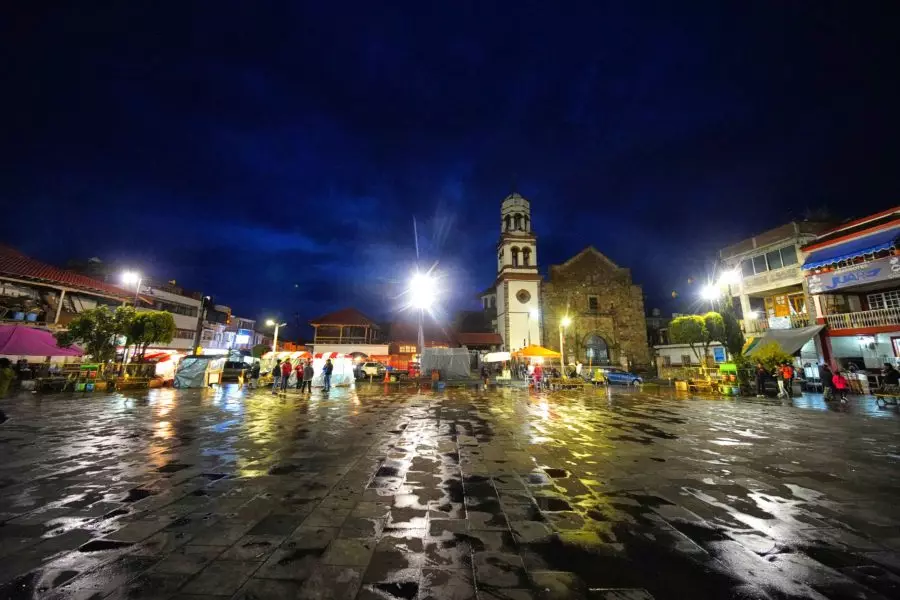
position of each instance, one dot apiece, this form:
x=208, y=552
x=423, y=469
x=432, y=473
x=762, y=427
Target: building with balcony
x=853, y=274
x=35, y=293
x=767, y=284
x=348, y=331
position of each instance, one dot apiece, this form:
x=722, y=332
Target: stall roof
x=790, y=340
x=852, y=248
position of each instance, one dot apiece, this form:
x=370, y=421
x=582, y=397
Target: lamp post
x=129, y=277
x=277, y=326
x=422, y=294
x=564, y=322
x=533, y=315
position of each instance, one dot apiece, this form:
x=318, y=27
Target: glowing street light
x=277, y=326
x=422, y=291
x=133, y=278
x=729, y=277
x=710, y=292
x=563, y=323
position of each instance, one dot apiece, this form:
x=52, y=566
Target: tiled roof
x=479, y=339
x=16, y=265
x=405, y=331
x=346, y=316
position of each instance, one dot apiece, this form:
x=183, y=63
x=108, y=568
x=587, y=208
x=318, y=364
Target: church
x=605, y=309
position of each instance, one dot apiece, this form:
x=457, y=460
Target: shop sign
x=881, y=269
x=779, y=322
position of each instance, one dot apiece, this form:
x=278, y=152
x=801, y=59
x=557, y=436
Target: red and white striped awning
x=331, y=355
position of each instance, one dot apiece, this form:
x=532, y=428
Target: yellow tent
x=535, y=351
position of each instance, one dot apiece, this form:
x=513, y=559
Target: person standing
x=779, y=378
x=298, y=373
x=286, y=369
x=890, y=374
x=841, y=385
x=827, y=379
x=538, y=376
x=578, y=368
x=254, y=375
x=787, y=373
x=276, y=376
x=485, y=375
x=326, y=373
x=308, y=373
x=760, y=380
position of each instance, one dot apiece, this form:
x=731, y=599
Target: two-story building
x=185, y=310
x=348, y=331
x=853, y=274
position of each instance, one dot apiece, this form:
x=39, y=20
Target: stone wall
x=617, y=315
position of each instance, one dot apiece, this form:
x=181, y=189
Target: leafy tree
x=690, y=330
x=260, y=349
x=148, y=328
x=771, y=355
x=715, y=329
x=96, y=330
x=734, y=337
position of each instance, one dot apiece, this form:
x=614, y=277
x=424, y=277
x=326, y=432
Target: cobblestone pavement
x=453, y=495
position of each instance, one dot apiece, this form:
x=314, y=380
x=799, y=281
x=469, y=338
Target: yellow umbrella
x=535, y=351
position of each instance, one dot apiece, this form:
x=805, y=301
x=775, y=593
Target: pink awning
x=17, y=340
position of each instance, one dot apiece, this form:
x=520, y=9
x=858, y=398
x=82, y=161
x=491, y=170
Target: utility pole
x=201, y=317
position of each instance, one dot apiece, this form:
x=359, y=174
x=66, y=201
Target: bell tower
x=518, y=283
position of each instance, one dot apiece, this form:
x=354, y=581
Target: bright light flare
x=730, y=277
x=566, y=321
x=753, y=315
x=709, y=292
x=422, y=291
x=534, y=313
x=131, y=277
x=270, y=323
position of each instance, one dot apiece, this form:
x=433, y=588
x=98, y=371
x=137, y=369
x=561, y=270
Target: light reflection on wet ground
x=499, y=494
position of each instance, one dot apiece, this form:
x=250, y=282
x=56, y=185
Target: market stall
x=199, y=371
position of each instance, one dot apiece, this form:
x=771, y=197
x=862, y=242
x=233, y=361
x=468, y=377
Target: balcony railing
x=868, y=318
x=797, y=320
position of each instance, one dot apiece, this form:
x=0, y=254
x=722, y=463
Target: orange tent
x=535, y=351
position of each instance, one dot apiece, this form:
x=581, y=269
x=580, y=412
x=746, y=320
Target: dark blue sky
x=274, y=154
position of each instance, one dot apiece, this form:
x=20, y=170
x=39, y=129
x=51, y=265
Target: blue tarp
x=852, y=248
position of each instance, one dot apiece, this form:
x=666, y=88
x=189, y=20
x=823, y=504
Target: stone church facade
x=605, y=307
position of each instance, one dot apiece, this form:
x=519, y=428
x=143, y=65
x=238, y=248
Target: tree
x=771, y=356
x=97, y=329
x=260, y=349
x=715, y=329
x=148, y=328
x=734, y=337
x=690, y=330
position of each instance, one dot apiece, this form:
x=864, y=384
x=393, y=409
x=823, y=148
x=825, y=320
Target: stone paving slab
x=383, y=494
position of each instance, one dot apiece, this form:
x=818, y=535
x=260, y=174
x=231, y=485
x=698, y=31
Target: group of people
x=834, y=384
x=303, y=375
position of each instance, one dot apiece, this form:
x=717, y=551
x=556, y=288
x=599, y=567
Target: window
x=593, y=303
x=789, y=256
x=884, y=300
x=747, y=267
x=184, y=334
x=685, y=359
x=525, y=219
x=515, y=256
x=507, y=220
x=759, y=263
x=667, y=361
x=526, y=257
x=774, y=259
x=407, y=349
x=517, y=222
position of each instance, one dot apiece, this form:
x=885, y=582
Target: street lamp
x=422, y=291
x=133, y=277
x=564, y=322
x=533, y=315
x=277, y=326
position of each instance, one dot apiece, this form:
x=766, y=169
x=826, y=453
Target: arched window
x=517, y=221
x=526, y=222
x=596, y=350
x=507, y=219
x=526, y=257
x=515, y=256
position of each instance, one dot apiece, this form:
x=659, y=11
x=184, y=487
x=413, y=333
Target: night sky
x=274, y=155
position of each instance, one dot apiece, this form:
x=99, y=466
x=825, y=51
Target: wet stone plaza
x=501, y=494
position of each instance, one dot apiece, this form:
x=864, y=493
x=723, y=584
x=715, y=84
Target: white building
x=518, y=284
x=184, y=309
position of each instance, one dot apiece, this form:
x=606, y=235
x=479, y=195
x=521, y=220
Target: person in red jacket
x=840, y=385
x=298, y=372
x=286, y=369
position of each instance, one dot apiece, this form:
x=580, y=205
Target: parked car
x=621, y=376
x=373, y=369
x=233, y=369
